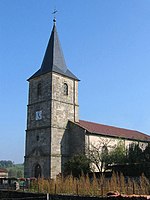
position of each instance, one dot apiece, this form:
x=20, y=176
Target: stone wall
x=76, y=136
x=38, y=134
x=64, y=108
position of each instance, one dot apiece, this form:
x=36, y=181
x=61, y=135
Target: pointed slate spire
x=53, y=60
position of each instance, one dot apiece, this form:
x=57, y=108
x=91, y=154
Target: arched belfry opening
x=65, y=89
x=37, y=171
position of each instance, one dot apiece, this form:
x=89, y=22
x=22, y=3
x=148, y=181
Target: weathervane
x=54, y=13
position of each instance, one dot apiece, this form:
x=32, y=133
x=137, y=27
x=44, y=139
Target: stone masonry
x=46, y=139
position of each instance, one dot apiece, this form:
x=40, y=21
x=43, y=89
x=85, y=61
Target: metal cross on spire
x=54, y=13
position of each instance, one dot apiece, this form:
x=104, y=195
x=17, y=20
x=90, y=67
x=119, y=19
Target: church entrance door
x=38, y=171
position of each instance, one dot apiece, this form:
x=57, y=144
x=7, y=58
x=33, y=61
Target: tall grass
x=95, y=186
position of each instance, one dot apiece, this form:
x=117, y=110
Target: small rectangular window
x=39, y=89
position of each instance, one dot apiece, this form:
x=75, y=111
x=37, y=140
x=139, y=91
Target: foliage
x=6, y=163
x=146, y=153
x=14, y=170
x=118, y=154
x=12, y=173
x=135, y=154
x=103, y=153
x=20, y=173
x=77, y=165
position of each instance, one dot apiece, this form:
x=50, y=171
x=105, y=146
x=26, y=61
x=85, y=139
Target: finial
x=55, y=11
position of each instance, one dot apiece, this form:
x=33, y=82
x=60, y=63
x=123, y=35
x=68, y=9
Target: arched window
x=39, y=89
x=65, y=89
x=38, y=171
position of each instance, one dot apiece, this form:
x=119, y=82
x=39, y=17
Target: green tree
x=118, y=154
x=77, y=165
x=19, y=173
x=146, y=153
x=135, y=154
x=12, y=173
x=6, y=163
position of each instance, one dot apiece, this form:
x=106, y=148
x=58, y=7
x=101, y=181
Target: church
x=54, y=131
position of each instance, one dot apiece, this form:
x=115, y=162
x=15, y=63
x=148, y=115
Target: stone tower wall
x=64, y=108
x=38, y=134
x=47, y=141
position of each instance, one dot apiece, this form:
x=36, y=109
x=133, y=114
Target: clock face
x=38, y=115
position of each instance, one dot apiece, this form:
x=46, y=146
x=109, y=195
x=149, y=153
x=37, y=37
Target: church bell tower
x=52, y=102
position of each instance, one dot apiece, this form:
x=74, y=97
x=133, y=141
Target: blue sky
x=106, y=44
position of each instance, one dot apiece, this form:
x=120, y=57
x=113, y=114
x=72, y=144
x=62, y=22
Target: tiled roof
x=3, y=171
x=105, y=130
x=53, y=60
